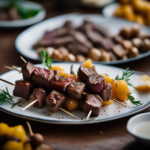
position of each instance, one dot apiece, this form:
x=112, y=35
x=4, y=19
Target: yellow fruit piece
x=142, y=87
x=3, y=129
x=121, y=90
x=57, y=67
x=107, y=102
x=108, y=79
x=71, y=104
x=27, y=146
x=88, y=64
x=11, y=131
x=68, y=75
x=144, y=78
x=12, y=145
x=20, y=133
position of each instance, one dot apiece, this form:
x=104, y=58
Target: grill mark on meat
x=60, y=83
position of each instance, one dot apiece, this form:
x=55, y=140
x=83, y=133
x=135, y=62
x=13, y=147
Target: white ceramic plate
x=24, y=22
x=110, y=112
x=30, y=36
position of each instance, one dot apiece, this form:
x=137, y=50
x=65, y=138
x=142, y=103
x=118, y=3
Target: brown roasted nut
x=70, y=57
x=80, y=58
x=63, y=51
x=95, y=54
x=133, y=52
x=146, y=45
x=118, y=50
x=142, y=35
x=127, y=44
x=135, y=30
x=117, y=39
x=125, y=32
x=56, y=55
x=105, y=56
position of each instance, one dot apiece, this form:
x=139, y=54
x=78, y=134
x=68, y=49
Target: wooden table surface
x=101, y=136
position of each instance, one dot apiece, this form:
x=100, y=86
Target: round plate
x=30, y=36
x=24, y=22
x=110, y=112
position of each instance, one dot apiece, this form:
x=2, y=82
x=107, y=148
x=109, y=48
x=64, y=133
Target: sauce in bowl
x=142, y=129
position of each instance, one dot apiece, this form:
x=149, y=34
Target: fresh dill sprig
x=132, y=100
x=5, y=97
x=125, y=76
x=46, y=59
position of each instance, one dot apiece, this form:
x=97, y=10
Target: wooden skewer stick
x=89, y=114
x=23, y=59
x=30, y=129
x=7, y=82
x=29, y=105
x=37, y=100
x=11, y=68
x=119, y=102
x=68, y=112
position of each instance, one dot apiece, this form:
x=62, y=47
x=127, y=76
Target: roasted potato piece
x=112, y=56
x=137, y=42
x=95, y=54
x=70, y=57
x=80, y=58
x=134, y=52
x=126, y=32
x=146, y=45
x=63, y=51
x=127, y=44
x=56, y=55
x=105, y=56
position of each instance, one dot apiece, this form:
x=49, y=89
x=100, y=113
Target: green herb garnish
x=132, y=100
x=106, y=74
x=125, y=76
x=72, y=72
x=5, y=97
x=46, y=59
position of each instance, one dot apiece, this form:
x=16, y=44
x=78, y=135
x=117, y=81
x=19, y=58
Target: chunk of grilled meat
x=23, y=89
x=55, y=100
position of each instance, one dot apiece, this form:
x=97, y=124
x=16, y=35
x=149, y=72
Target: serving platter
x=24, y=22
x=30, y=36
x=108, y=113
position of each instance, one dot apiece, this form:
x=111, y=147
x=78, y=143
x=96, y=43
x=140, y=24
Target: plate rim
x=42, y=14
x=131, y=112
x=141, y=56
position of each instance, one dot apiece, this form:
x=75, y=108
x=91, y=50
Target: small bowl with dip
x=139, y=127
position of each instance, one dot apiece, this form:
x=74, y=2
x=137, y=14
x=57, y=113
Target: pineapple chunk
x=57, y=67
x=107, y=102
x=88, y=64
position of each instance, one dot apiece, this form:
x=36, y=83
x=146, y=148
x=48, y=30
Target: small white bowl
x=136, y=120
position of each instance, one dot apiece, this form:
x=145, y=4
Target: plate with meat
x=71, y=93
x=78, y=37
x=15, y=14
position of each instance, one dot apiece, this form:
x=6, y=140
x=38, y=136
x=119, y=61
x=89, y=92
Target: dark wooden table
x=101, y=136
